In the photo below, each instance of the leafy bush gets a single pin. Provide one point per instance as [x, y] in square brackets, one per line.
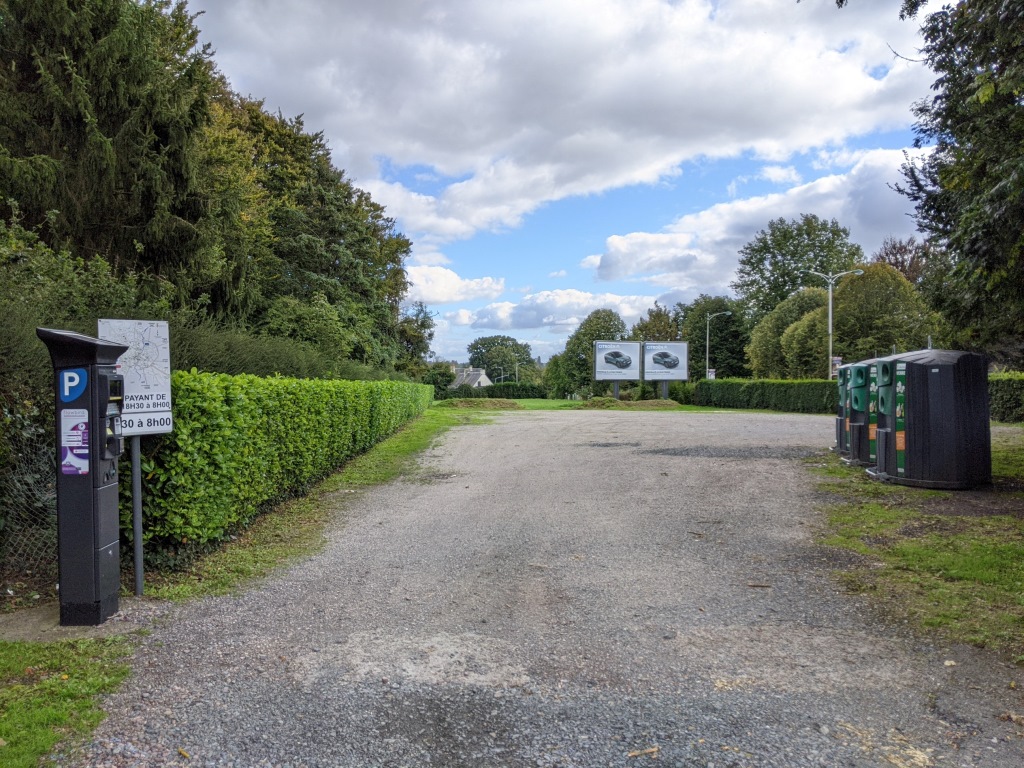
[508, 391]
[799, 396]
[243, 442]
[681, 392]
[208, 345]
[1006, 396]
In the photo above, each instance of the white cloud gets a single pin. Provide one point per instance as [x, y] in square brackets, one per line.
[499, 108]
[558, 273]
[699, 252]
[440, 285]
[778, 174]
[560, 311]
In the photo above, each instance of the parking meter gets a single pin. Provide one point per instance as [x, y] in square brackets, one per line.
[88, 398]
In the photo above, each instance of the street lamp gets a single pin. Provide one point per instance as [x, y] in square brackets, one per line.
[831, 280]
[707, 344]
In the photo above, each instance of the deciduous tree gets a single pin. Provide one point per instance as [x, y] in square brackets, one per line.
[728, 335]
[773, 265]
[499, 356]
[767, 358]
[578, 358]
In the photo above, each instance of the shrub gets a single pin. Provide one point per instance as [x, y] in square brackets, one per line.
[799, 396]
[507, 390]
[243, 442]
[1006, 396]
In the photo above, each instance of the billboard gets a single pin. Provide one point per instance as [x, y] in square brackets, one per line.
[665, 361]
[617, 361]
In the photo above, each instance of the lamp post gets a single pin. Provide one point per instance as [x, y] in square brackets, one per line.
[502, 377]
[831, 280]
[707, 343]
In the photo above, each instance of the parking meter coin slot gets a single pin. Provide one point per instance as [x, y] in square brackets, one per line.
[111, 398]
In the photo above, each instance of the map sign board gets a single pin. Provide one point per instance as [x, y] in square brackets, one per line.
[146, 368]
[665, 361]
[616, 361]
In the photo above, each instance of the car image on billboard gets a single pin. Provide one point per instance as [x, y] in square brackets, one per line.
[618, 359]
[665, 359]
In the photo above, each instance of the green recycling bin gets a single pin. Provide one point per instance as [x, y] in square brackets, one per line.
[862, 397]
[933, 420]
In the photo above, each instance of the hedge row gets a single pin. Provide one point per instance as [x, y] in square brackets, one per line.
[241, 442]
[509, 390]
[1005, 390]
[797, 396]
[1006, 396]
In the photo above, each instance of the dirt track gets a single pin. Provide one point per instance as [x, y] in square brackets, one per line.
[565, 588]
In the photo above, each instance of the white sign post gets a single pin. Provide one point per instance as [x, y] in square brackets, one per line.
[146, 368]
[146, 410]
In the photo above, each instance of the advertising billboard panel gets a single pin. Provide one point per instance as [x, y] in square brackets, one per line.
[616, 361]
[665, 361]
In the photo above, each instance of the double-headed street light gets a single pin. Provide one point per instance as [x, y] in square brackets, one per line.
[707, 343]
[831, 280]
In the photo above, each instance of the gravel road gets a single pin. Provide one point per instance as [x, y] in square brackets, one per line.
[566, 588]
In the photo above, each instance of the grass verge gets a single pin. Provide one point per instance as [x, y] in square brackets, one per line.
[950, 562]
[48, 690]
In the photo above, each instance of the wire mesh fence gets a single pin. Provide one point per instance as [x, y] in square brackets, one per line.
[28, 504]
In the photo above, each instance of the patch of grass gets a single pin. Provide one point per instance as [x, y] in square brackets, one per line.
[950, 562]
[48, 693]
[537, 404]
[1008, 452]
[296, 528]
[481, 404]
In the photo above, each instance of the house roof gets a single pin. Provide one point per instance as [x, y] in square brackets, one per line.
[473, 377]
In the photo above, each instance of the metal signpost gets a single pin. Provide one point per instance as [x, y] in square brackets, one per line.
[146, 368]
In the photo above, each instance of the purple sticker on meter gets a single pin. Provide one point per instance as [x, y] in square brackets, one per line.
[74, 441]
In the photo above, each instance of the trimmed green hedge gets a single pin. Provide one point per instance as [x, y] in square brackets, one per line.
[509, 390]
[1006, 396]
[799, 396]
[241, 442]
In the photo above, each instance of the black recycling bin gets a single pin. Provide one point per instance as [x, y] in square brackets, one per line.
[933, 420]
[861, 402]
[842, 446]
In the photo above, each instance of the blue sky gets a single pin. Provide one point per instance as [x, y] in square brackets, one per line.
[552, 157]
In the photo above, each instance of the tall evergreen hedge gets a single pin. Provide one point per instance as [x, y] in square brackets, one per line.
[241, 442]
[791, 396]
[1006, 396]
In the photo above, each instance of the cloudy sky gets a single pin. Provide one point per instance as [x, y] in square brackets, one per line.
[552, 157]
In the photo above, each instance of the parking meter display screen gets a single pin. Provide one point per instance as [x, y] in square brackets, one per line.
[616, 361]
[665, 361]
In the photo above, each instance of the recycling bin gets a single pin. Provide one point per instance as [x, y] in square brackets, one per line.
[933, 420]
[842, 446]
[863, 395]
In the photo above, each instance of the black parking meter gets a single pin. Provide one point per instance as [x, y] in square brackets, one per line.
[88, 398]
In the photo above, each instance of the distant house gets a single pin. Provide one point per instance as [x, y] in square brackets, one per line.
[470, 377]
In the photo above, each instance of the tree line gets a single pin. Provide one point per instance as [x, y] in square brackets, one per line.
[134, 182]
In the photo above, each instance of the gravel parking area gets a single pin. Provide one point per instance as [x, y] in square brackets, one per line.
[564, 588]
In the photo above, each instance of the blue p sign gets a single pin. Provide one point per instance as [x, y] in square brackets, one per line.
[72, 383]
